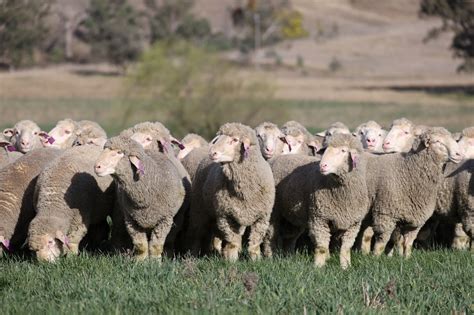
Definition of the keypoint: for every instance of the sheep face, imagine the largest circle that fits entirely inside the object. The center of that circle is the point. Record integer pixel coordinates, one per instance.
(61, 134)
(85, 139)
(336, 128)
(371, 136)
(145, 139)
(294, 144)
(49, 248)
(189, 147)
(25, 135)
(268, 137)
(335, 160)
(443, 145)
(226, 149)
(467, 145)
(399, 139)
(107, 162)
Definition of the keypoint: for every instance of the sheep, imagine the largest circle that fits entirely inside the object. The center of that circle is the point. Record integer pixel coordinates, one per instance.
(298, 140)
(17, 184)
(466, 141)
(401, 136)
(70, 198)
(271, 139)
(150, 192)
(67, 132)
(156, 137)
(196, 150)
(326, 197)
(371, 135)
(190, 142)
(233, 189)
(8, 153)
(401, 187)
(333, 129)
(25, 136)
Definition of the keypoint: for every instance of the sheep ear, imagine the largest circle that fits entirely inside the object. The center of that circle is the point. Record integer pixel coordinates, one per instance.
(321, 134)
(286, 142)
(213, 141)
(9, 132)
(100, 142)
(246, 147)
(138, 164)
(354, 158)
(60, 236)
(46, 136)
(178, 143)
(163, 144)
(4, 143)
(315, 145)
(5, 243)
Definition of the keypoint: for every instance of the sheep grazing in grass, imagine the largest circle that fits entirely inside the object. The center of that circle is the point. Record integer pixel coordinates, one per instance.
(150, 192)
(327, 197)
(270, 139)
(403, 187)
(17, 185)
(298, 139)
(70, 198)
(25, 136)
(371, 135)
(191, 142)
(233, 190)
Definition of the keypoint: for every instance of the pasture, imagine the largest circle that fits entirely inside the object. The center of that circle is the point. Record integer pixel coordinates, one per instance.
(437, 282)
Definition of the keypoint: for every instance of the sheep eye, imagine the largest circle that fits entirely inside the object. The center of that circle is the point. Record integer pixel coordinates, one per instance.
(235, 140)
(119, 152)
(148, 139)
(343, 150)
(68, 132)
(406, 132)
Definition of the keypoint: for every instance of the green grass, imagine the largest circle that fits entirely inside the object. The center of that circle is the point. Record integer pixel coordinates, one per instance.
(438, 282)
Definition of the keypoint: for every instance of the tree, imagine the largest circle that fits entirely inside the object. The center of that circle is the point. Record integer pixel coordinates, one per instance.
(113, 30)
(457, 16)
(22, 29)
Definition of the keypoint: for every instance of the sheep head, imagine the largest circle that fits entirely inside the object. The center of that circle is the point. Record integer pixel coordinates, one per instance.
(50, 247)
(154, 136)
(371, 135)
(400, 137)
(232, 143)
(25, 136)
(440, 141)
(466, 142)
(190, 142)
(269, 135)
(341, 155)
(334, 129)
(115, 150)
(62, 135)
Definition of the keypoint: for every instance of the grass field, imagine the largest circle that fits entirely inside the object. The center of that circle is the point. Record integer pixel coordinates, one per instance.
(314, 114)
(436, 282)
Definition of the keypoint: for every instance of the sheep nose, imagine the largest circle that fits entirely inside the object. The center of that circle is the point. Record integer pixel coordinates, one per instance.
(268, 150)
(386, 144)
(24, 142)
(98, 167)
(370, 140)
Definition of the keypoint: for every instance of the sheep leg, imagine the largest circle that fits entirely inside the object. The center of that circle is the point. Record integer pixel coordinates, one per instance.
(139, 239)
(198, 227)
(233, 236)
(409, 238)
(77, 232)
(461, 239)
(367, 240)
(397, 240)
(382, 235)
(290, 239)
(257, 233)
(270, 242)
(320, 235)
(158, 238)
(348, 240)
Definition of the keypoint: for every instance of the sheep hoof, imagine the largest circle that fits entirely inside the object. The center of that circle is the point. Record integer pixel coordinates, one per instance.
(217, 244)
(254, 252)
(460, 243)
(73, 249)
(156, 251)
(320, 257)
(231, 252)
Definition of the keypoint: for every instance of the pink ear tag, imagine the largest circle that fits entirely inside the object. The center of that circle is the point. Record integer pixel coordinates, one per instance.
(141, 169)
(11, 148)
(246, 153)
(179, 144)
(355, 160)
(51, 140)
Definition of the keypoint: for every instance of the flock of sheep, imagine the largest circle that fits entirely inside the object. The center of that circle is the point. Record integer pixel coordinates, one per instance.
(264, 187)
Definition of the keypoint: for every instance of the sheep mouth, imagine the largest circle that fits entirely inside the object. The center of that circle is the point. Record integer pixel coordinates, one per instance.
(455, 160)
